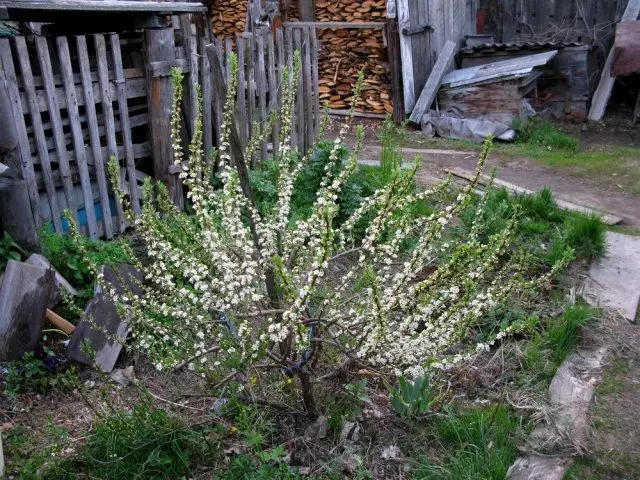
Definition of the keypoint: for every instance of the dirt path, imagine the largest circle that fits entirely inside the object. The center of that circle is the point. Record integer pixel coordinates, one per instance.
(531, 175)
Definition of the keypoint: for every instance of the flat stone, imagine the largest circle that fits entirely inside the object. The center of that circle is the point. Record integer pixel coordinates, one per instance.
(24, 296)
(572, 390)
(614, 281)
(538, 468)
(61, 283)
(107, 339)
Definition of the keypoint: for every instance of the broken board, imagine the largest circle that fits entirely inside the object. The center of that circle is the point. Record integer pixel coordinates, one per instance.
(24, 296)
(102, 312)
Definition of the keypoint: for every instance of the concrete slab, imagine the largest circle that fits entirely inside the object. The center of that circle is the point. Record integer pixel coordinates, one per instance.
(614, 282)
(538, 468)
(24, 296)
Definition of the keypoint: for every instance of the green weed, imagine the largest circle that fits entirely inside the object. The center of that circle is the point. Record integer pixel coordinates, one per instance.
(391, 138)
(544, 134)
(33, 374)
(478, 444)
(412, 400)
(564, 333)
(145, 442)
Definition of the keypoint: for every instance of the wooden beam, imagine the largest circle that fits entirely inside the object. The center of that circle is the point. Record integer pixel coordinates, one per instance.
(307, 9)
(393, 46)
(605, 87)
(104, 6)
(430, 90)
(347, 25)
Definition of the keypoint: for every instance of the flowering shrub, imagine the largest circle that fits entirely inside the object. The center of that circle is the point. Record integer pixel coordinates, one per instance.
(228, 291)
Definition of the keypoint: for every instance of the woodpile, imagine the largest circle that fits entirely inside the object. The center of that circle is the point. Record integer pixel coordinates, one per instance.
(229, 17)
(344, 52)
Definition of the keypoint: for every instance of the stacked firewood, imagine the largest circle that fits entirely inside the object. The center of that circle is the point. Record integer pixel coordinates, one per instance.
(344, 52)
(229, 17)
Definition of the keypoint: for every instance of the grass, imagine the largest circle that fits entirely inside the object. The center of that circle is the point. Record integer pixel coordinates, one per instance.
(476, 444)
(612, 384)
(613, 466)
(547, 349)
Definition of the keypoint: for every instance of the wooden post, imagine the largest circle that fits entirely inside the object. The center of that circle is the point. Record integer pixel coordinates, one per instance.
(395, 60)
(160, 50)
(307, 9)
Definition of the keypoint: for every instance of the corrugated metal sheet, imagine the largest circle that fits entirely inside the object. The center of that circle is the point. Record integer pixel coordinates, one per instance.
(496, 71)
(517, 47)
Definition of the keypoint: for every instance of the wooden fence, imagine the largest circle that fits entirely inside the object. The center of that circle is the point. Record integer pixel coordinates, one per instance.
(77, 101)
(74, 104)
(263, 57)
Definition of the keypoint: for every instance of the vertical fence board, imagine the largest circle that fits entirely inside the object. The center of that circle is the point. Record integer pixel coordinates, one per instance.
(307, 93)
(217, 106)
(273, 93)
(41, 141)
(241, 121)
(207, 120)
(315, 78)
(251, 90)
(44, 60)
(107, 112)
(125, 123)
(8, 76)
(293, 130)
(279, 73)
(261, 81)
(77, 134)
(299, 123)
(94, 134)
(228, 48)
(190, 51)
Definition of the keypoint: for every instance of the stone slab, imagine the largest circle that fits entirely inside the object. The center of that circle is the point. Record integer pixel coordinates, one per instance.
(538, 468)
(102, 326)
(24, 296)
(614, 281)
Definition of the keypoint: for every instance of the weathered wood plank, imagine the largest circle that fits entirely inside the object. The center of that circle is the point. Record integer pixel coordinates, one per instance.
(77, 134)
(8, 78)
(281, 65)
(106, 6)
(251, 90)
(44, 60)
(160, 46)
(290, 52)
(41, 143)
(406, 52)
(315, 82)
(125, 123)
(300, 120)
(272, 90)
(94, 134)
(109, 117)
(261, 82)
(217, 107)
(241, 119)
(430, 90)
(188, 41)
(307, 93)
(395, 62)
(207, 119)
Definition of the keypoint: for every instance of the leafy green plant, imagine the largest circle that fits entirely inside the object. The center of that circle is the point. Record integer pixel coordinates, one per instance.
(412, 400)
(10, 250)
(587, 236)
(65, 255)
(33, 374)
